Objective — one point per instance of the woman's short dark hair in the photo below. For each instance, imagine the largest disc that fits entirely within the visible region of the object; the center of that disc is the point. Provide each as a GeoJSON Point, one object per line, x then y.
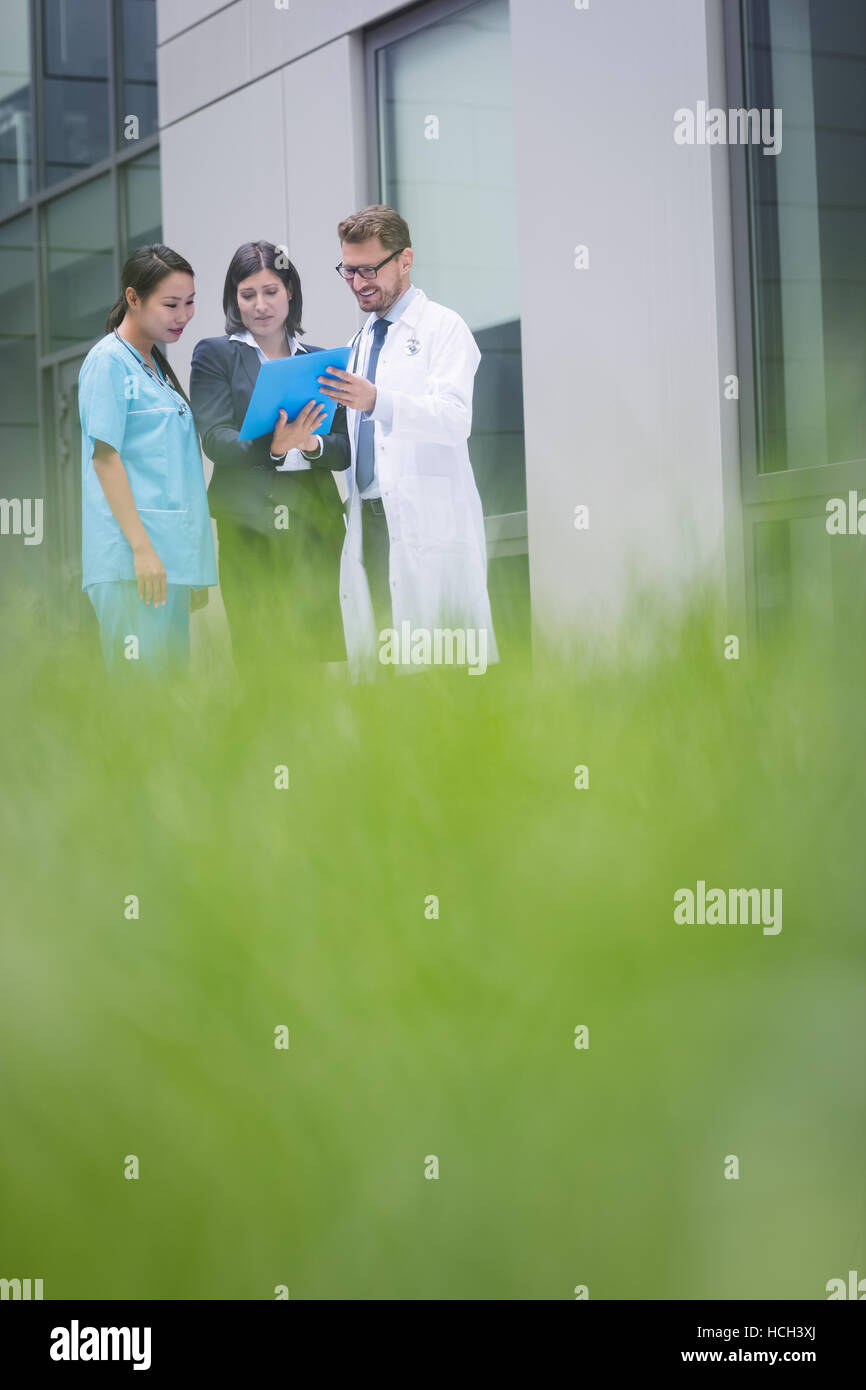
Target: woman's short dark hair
{"type": "Point", "coordinates": [248, 260]}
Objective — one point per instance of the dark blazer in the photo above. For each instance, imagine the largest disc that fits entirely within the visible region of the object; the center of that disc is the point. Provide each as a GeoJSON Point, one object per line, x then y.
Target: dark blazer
{"type": "Point", "coordinates": [246, 485]}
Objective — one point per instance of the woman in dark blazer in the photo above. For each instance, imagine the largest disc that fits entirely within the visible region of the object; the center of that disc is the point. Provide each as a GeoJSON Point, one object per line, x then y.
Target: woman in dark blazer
{"type": "Point", "coordinates": [280, 582]}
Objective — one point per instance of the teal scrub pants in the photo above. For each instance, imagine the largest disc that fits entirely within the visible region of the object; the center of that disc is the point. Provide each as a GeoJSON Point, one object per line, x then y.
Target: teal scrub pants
{"type": "Point", "coordinates": [162, 634]}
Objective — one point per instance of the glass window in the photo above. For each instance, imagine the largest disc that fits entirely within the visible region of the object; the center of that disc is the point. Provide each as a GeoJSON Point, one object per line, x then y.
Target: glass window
{"type": "Point", "coordinates": [142, 201]}
{"type": "Point", "coordinates": [808, 230]}
{"type": "Point", "coordinates": [79, 234]}
{"type": "Point", "coordinates": [74, 118]}
{"type": "Point", "coordinates": [137, 89]}
{"type": "Point", "coordinates": [19, 449]}
{"type": "Point", "coordinates": [447, 165]}
{"type": "Point", "coordinates": [15, 134]}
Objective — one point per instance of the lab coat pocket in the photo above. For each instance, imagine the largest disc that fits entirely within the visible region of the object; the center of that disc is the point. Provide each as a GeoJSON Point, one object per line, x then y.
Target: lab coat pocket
{"type": "Point", "coordinates": [430, 510]}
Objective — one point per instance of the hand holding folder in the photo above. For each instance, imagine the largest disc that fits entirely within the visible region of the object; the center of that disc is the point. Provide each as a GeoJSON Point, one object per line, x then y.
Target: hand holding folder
{"type": "Point", "coordinates": [290, 383]}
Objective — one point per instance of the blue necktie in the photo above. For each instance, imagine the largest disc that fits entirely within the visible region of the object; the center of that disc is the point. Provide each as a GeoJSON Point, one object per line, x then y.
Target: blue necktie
{"type": "Point", "coordinates": [365, 461]}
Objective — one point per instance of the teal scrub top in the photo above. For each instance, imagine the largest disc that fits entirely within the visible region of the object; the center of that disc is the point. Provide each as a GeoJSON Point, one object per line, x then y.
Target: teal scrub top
{"type": "Point", "coordinates": [152, 428]}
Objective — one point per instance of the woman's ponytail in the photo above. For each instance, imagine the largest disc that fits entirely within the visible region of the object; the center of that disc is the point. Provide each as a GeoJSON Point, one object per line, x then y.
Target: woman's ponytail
{"type": "Point", "coordinates": [116, 314]}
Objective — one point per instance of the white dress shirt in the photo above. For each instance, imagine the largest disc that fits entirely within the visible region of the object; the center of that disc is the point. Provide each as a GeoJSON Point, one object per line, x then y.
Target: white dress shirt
{"type": "Point", "coordinates": [294, 461]}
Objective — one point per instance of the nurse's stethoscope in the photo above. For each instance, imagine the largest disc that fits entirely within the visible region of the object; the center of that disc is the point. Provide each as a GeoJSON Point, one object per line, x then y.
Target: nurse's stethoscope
{"type": "Point", "coordinates": [181, 406]}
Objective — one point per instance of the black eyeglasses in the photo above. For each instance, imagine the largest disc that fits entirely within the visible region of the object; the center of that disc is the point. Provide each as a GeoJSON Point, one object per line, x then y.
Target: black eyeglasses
{"type": "Point", "coordinates": [366, 272]}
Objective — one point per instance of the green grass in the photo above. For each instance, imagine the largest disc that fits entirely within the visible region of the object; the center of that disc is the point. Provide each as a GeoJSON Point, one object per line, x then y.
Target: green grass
{"type": "Point", "coordinates": [452, 1037]}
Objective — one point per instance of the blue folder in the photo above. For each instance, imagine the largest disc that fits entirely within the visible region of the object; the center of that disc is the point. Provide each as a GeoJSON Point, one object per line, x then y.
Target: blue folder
{"type": "Point", "coordinates": [287, 384]}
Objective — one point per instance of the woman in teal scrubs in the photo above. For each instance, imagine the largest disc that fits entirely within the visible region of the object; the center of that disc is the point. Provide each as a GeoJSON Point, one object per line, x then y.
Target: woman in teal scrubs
{"type": "Point", "coordinates": [147, 543]}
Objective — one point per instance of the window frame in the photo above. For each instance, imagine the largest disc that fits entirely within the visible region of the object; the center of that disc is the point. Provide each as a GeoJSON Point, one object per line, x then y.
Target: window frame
{"type": "Point", "coordinates": [53, 366]}
{"type": "Point", "coordinates": [380, 36]}
{"type": "Point", "coordinates": [507, 532]}
{"type": "Point", "coordinates": [787, 494]}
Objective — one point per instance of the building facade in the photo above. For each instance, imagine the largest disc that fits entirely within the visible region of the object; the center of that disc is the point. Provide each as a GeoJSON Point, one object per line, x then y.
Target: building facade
{"type": "Point", "coordinates": [79, 187]}
{"type": "Point", "coordinates": [670, 307]}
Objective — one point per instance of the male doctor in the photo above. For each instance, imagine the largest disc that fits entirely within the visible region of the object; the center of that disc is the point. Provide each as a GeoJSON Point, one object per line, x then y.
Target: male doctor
{"type": "Point", "coordinates": [414, 551]}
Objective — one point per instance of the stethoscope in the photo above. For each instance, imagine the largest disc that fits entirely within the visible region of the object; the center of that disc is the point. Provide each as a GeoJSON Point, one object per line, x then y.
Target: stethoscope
{"type": "Point", "coordinates": [154, 376]}
{"type": "Point", "coordinates": [412, 345]}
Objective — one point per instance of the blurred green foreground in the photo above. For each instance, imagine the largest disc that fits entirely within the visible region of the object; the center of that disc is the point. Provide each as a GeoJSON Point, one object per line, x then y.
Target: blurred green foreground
{"type": "Point", "coordinates": [411, 1035]}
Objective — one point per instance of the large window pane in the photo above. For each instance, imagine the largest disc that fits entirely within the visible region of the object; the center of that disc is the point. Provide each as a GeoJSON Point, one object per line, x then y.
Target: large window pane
{"type": "Point", "coordinates": [74, 115]}
{"type": "Point", "coordinates": [80, 287]}
{"type": "Point", "coordinates": [137, 90]}
{"type": "Point", "coordinates": [143, 201]}
{"type": "Point", "coordinates": [808, 227]}
{"type": "Point", "coordinates": [447, 164]}
{"type": "Point", "coordinates": [19, 451]}
{"type": "Point", "coordinates": [15, 134]}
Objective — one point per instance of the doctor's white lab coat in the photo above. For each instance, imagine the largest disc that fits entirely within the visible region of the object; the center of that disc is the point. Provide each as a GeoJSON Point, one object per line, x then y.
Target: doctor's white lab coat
{"type": "Point", "coordinates": [438, 557]}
